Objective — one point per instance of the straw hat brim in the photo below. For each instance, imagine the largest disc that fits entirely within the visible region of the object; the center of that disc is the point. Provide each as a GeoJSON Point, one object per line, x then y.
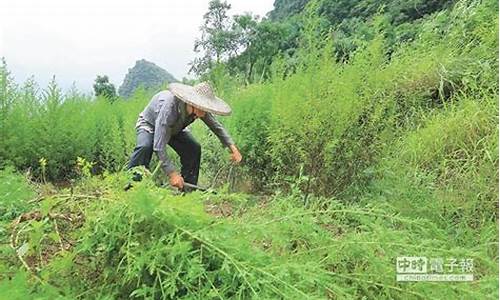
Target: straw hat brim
{"type": "Point", "coordinates": [188, 94]}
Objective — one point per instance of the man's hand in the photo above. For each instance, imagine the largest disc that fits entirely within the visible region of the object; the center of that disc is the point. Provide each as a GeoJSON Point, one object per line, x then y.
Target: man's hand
{"type": "Point", "coordinates": [176, 180]}
{"type": "Point", "coordinates": [235, 154]}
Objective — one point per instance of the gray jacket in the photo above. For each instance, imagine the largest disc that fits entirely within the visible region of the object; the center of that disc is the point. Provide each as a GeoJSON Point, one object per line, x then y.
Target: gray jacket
{"type": "Point", "coordinates": [168, 116]}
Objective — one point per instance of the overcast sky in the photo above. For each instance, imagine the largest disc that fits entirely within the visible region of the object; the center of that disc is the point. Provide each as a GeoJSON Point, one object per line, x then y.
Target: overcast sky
{"type": "Point", "coordinates": [78, 39]}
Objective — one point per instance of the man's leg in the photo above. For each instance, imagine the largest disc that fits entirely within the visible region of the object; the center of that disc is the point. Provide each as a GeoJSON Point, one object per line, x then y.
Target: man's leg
{"type": "Point", "coordinates": [189, 151]}
{"type": "Point", "coordinates": [142, 151]}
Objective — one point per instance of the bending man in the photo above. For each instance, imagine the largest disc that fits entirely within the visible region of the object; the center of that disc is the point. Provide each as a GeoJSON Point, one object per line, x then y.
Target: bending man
{"type": "Point", "coordinates": [164, 121]}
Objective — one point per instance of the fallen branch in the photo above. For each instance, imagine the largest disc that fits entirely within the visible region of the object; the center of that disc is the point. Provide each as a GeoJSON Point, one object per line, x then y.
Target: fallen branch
{"type": "Point", "coordinates": [35, 215]}
{"type": "Point", "coordinates": [13, 241]}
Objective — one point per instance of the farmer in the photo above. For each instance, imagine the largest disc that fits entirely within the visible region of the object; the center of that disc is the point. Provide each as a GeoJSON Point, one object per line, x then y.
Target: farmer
{"type": "Point", "coordinates": [164, 121]}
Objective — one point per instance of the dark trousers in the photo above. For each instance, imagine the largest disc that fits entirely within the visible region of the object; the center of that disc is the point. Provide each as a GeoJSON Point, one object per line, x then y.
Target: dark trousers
{"type": "Point", "coordinates": [184, 145]}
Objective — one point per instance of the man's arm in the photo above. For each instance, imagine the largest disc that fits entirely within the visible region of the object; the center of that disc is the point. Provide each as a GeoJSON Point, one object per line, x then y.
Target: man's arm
{"type": "Point", "coordinates": [223, 136]}
{"type": "Point", "coordinates": [218, 129]}
{"type": "Point", "coordinates": [162, 135]}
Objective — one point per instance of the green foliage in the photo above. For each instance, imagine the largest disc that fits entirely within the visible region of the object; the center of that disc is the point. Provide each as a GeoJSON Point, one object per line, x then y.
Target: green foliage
{"type": "Point", "coordinates": [351, 24]}
{"type": "Point", "coordinates": [262, 43]}
{"type": "Point", "coordinates": [149, 243]}
{"type": "Point", "coordinates": [59, 128]}
{"type": "Point", "coordinates": [102, 87]}
{"type": "Point", "coordinates": [19, 288]}
{"type": "Point", "coordinates": [284, 9]}
{"type": "Point", "coordinates": [334, 121]}
{"type": "Point", "coordinates": [84, 167]}
{"type": "Point", "coordinates": [144, 74]}
{"type": "Point", "coordinates": [456, 146]}
{"type": "Point", "coordinates": [14, 194]}
{"type": "Point", "coordinates": [218, 40]}
{"type": "Point", "coordinates": [245, 44]}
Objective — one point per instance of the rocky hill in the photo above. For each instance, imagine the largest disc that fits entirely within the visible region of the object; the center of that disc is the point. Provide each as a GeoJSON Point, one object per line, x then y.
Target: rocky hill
{"type": "Point", "coordinates": [146, 74]}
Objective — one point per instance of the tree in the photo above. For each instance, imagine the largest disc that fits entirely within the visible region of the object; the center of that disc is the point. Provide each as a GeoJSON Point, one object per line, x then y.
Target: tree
{"type": "Point", "coordinates": [244, 28]}
{"type": "Point", "coordinates": [259, 43]}
{"type": "Point", "coordinates": [283, 9]}
{"type": "Point", "coordinates": [52, 95]}
{"type": "Point", "coordinates": [7, 89]}
{"type": "Point", "coordinates": [103, 87]}
{"type": "Point", "coordinates": [217, 39]}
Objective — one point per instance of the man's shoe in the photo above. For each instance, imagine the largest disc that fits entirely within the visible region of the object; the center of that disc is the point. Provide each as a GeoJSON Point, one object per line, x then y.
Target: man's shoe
{"type": "Point", "coordinates": [137, 176]}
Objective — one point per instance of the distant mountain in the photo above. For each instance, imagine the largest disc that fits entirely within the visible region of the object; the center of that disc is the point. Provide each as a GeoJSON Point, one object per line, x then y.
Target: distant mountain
{"type": "Point", "coordinates": [145, 74]}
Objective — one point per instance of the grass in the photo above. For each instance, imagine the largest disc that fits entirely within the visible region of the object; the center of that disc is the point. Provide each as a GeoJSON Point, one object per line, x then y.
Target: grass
{"type": "Point", "coordinates": [149, 243]}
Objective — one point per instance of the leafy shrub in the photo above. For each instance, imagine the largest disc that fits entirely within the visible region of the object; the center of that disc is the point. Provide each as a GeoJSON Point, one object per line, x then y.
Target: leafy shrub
{"type": "Point", "coordinates": [14, 194]}
{"type": "Point", "coordinates": [60, 128]}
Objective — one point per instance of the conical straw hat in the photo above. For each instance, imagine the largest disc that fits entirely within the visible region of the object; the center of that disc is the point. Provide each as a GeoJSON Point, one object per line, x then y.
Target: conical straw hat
{"type": "Point", "coordinates": [201, 96]}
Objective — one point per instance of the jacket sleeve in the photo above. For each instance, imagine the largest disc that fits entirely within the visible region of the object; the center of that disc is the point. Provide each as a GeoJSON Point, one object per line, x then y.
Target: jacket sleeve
{"type": "Point", "coordinates": [163, 132]}
{"type": "Point", "coordinates": [217, 128]}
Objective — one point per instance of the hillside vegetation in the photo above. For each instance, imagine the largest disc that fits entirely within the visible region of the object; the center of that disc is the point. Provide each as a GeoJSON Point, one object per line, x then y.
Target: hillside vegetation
{"type": "Point", "coordinates": [352, 157]}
